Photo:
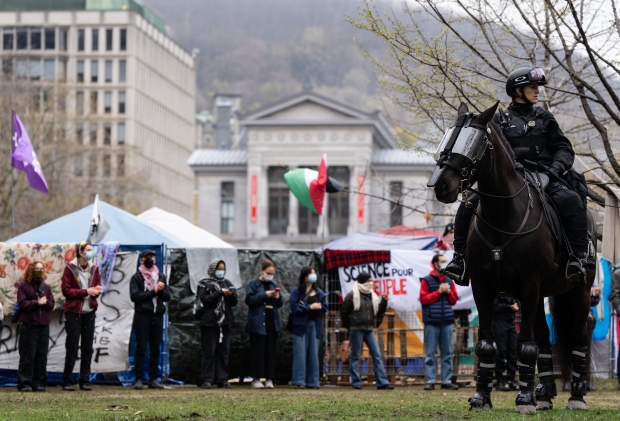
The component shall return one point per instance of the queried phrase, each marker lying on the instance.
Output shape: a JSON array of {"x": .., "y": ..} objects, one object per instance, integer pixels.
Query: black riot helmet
[{"x": 523, "y": 76}]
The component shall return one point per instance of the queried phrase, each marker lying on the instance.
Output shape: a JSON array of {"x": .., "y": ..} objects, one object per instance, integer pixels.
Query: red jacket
[
  {"x": 73, "y": 291},
  {"x": 28, "y": 301}
]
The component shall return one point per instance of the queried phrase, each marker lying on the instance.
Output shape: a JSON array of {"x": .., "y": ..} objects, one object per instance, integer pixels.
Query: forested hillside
[{"x": 266, "y": 49}]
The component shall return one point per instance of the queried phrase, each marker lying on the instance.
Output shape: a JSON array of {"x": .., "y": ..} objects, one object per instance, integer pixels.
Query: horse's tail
[{"x": 563, "y": 310}]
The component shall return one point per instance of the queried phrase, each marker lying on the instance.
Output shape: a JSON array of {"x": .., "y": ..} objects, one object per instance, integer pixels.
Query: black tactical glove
[{"x": 557, "y": 169}]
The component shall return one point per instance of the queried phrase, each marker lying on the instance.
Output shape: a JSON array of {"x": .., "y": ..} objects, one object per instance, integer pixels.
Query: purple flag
[{"x": 24, "y": 158}]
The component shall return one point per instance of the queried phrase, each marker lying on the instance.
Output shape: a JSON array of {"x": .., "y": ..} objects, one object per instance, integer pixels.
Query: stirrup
[
  {"x": 579, "y": 273},
  {"x": 457, "y": 272}
]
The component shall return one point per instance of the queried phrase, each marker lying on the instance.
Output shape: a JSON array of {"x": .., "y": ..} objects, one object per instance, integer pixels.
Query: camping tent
[
  {"x": 172, "y": 224},
  {"x": 376, "y": 241},
  {"x": 124, "y": 228}
]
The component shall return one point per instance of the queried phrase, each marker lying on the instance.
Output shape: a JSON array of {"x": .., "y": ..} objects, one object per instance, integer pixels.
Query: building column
[{"x": 292, "y": 230}]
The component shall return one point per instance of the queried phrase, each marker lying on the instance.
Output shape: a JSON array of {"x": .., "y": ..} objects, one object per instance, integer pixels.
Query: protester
[
  {"x": 149, "y": 292},
  {"x": 81, "y": 285},
  {"x": 263, "y": 299},
  {"x": 614, "y": 298},
  {"x": 218, "y": 296},
  {"x": 361, "y": 313},
  {"x": 308, "y": 304},
  {"x": 35, "y": 300},
  {"x": 505, "y": 334},
  {"x": 438, "y": 295}
]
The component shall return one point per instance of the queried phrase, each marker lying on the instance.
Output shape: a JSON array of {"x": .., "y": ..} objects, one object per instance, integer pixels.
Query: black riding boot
[
  {"x": 578, "y": 387},
  {"x": 486, "y": 351},
  {"x": 546, "y": 390},
  {"x": 456, "y": 268}
]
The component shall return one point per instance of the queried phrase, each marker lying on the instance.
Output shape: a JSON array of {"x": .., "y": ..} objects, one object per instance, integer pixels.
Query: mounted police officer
[{"x": 535, "y": 136}]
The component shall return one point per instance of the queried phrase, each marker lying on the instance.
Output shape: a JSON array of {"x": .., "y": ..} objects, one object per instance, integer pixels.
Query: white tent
[{"x": 180, "y": 227}]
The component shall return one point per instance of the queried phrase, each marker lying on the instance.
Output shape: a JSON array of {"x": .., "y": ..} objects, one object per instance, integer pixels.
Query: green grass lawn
[{"x": 286, "y": 403}]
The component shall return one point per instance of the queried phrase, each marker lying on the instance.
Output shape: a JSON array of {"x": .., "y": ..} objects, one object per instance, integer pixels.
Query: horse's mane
[{"x": 498, "y": 131}]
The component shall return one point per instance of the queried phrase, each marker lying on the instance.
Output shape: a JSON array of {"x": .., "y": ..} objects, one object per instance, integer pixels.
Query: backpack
[
  {"x": 199, "y": 308},
  {"x": 17, "y": 312}
]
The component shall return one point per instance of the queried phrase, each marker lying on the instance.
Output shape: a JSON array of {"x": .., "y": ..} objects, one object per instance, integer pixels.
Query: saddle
[{"x": 541, "y": 184}]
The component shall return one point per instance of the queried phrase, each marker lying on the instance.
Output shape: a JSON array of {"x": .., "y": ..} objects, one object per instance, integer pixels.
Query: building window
[
  {"x": 95, "y": 40},
  {"x": 278, "y": 201},
  {"x": 63, "y": 38},
  {"x": 108, "y": 39},
  {"x": 227, "y": 208},
  {"x": 7, "y": 68},
  {"x": 121, "y": 133},
  {"x": 107, "y": 134},
  {"x": 123, "y": 39},
  {"x": 21, "y": 68},
  {"x": 94, "y": 71},
  {"x": 62, "y": 70},
  {"x": 80, "y": 40},
  {"x": 396, "y": 210},
  {"x": 107, "y": 102},
  {"x": 80, "y": 70},
  {"x": 79, "y": 103},
  {"x": 122, "y": 71},
  {"x": 79, "y": 134},
  {"x": 121, "y": 102},
  {"x": 108, "y": 71},
  {"x": 22, "y": 38},
  {"x": 50, "y": 38},
  {"x": 93, "y": 134},
  {"x": 120, "y": 165},
  {"x": 8, "y": 38},
  {"x": 79, "y": 166},
  {"x": 94, "y": 97},
  {"x": 36, "y": 100},
  {"x": 35, "y": 69},
  {"x": 107, "y": 165},
  {"x": 62, "y": 100},
  {"x": 35, "y": 38},
  {"x": 48, "y": 69},
  {"x": 338, "y": 204},
  {"x": 92, "y": 165}
]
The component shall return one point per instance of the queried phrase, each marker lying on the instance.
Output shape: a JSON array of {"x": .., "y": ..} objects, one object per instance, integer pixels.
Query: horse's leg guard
[
  {"x": 486, "y": 350},
  {"x": 527, "y": 352},
  {"x": 546, "y": 390},
  {"x": 578, "y": 387}
]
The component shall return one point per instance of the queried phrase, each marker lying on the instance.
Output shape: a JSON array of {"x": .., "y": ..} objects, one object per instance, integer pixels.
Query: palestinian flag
[{"x": 309, "y": 186}]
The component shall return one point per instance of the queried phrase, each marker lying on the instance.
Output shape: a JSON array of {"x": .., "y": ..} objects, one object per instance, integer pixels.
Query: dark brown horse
[{"x": 511, "y": 250}]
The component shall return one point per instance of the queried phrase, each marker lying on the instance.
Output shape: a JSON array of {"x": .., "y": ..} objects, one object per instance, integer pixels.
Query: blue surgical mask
[
  {"x": 89, "y": 255},
  {"x": 312, "y": 277},
  {"x": 219, "y": 274}
]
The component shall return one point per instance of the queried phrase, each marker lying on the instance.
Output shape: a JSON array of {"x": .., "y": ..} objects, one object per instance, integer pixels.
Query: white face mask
[
  {"x": 312, "y": 277},
  {"x": 442, "y": 267},
  {"x": 267, "y": 277}
]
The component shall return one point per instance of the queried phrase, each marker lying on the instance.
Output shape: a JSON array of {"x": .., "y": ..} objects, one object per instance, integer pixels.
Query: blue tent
[{"x": 125, "y": 228}]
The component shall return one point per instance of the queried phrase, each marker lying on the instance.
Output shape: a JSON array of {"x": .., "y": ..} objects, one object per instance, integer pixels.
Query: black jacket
[
  {"x": 614, "y": 297},
  {"x": 535, "y": 135},
  {"x": 144, "y": 299},
  {"x": 364, "y": 318},
  {"x": 502, "y": 310},
  {"x": 209, "y": 295}
]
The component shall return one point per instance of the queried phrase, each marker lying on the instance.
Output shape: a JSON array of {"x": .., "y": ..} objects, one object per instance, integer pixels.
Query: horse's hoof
[
  {"x": 480, "y": 402},
  {"x": 576, "y": 403},
  {"x": 525, "y": 409},
  {"x": 544, "y": 405}
]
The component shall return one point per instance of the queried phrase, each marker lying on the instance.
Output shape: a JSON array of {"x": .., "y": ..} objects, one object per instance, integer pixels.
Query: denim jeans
[
  {"x": 306, "y": 357},
  {"x": 368, "y": 336},
  {"x": 435, "y": 336}
]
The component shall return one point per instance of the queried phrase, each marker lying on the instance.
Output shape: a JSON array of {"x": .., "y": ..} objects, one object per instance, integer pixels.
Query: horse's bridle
[{"x": 465, "y": 138}]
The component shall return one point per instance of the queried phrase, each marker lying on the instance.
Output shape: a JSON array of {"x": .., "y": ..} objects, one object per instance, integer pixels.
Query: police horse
[{"x": 513, "y": 250}]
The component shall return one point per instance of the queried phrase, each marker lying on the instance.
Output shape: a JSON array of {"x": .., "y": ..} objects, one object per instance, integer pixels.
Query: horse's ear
[
  {"x": 463, "y": 109},
  {"x": 487, "y": 115}
]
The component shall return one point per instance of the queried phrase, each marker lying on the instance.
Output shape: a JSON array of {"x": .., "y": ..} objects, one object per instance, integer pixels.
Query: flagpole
[{"x": 12, "y": 177}]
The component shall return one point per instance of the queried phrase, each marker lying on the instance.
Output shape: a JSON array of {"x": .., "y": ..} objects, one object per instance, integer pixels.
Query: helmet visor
[{"x": 537, "y": 75}]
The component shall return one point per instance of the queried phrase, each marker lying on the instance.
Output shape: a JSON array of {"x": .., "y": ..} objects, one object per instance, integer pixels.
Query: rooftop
[
  {"x": 47, "y": 5},
  {"x": 400, "y": 157},
  {"x": 218, "y": 157}
]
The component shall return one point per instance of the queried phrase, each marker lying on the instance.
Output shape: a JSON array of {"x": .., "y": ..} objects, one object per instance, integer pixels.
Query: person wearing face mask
[
  {"x": 308, "y": 304},
  {"x": 438, "y": 295},
  {"x": 81, "y": 285},
  {"x": 35, "y": 301},
  {"x": 263, "y": 325},
  {"x": 361, "y": 313},
  {"x": 218, "y": 296},
  {"x": 149, "y": 291}
]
